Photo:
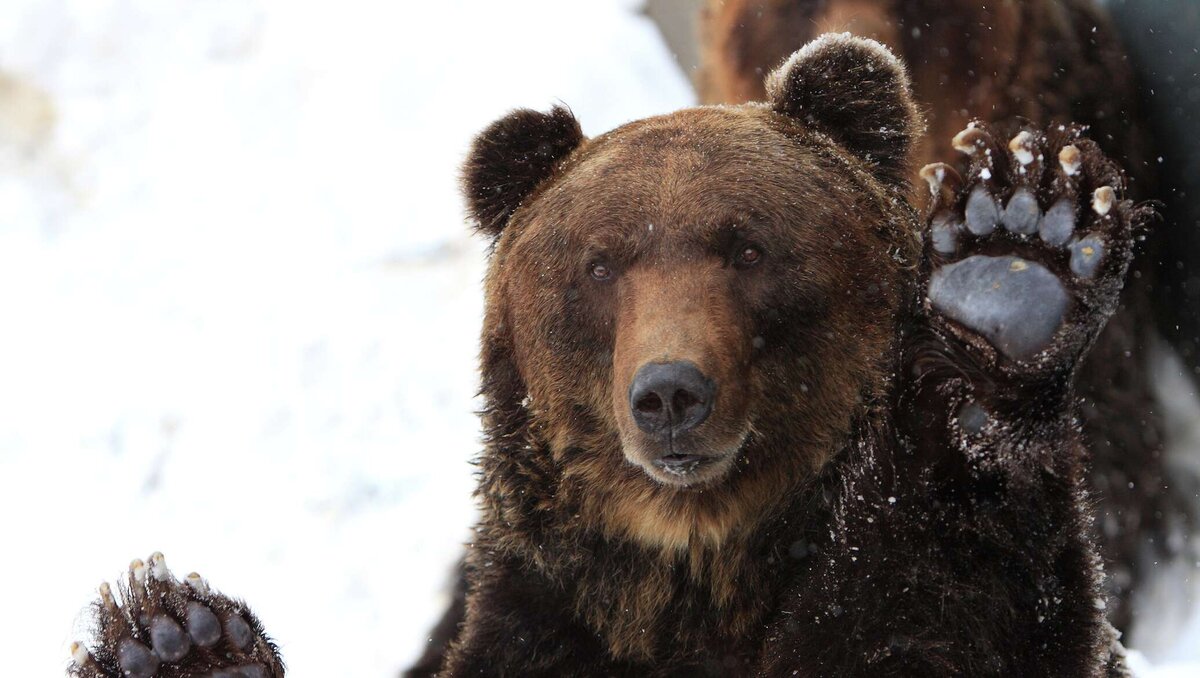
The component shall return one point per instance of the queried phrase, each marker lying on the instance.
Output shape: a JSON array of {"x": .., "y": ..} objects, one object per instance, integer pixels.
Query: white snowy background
[{"x": 239, "y": 305}]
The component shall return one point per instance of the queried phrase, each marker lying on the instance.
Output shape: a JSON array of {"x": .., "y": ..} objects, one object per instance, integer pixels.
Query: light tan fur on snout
[{"x": 682, "y": 313}]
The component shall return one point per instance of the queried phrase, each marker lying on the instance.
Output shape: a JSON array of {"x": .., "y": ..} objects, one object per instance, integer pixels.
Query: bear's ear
[
  {"x": 510, "y": 158},
  {"x": 856, "y": 92}
]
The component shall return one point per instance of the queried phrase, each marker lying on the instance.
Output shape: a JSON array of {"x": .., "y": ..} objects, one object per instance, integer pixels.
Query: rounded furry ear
[
  {"x": 855, "y": 91},
  {"x": 510, "y": 158}
]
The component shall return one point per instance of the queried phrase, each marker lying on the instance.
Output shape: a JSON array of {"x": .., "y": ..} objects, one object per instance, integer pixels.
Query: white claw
[
  {"x": 79, "y": 654},
  {"x": 968, "y": 141},
  {"x": 139, "y": 570},
  {"x": 1102, "y": 200},
  {"x": 1068, "y": 158},
  {"x": 1022, "y": 147},
  {"x": 158, "y": 567},
  {"x": 197, "y": 583},
  {"x": 106, "y": 596},
  {"x": 934, "y": 174}
]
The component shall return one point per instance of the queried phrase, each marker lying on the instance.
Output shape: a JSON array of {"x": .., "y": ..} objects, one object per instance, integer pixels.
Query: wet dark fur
[
  {"x": 855, "y": 537},
  {"x": 1043, "y": 61}
]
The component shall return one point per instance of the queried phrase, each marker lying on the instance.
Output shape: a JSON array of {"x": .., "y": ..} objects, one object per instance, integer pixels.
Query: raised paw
[
  {"x": 164, "y": 628},
  {"x": 1028, "y": 254}
]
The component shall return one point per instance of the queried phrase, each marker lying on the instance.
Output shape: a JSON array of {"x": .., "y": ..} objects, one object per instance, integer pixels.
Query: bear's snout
[
  {"x": 670, "y": 399},
  {"x": 679, "y": 392}
]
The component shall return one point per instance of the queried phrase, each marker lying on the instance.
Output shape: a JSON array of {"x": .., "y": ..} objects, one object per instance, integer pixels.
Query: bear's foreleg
[{"x": 961, "y": 542}]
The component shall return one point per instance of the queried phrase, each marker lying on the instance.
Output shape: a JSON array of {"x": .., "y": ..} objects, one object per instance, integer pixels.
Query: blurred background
[{"x": 239, "y": 305}]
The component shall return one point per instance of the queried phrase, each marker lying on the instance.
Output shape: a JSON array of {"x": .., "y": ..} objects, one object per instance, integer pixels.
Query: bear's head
[{"x": 685, "y": 315}]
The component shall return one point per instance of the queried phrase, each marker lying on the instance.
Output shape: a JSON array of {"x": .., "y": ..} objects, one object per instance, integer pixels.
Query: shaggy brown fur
[
  {"x": 877, "y": 488},
  {"x": 1010, "y": 63},
  {"x": 858, "y": 530}
]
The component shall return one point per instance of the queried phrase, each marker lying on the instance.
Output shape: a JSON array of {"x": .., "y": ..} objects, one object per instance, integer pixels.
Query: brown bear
[
  {"x": 748, "y": 414},
  {"x": 1039, "y": 62}
]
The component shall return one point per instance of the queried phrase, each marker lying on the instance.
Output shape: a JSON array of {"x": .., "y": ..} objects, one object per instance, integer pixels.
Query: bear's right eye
[
  {"x": 747, "y": 255},
  {"x": 601, "y": 271}
]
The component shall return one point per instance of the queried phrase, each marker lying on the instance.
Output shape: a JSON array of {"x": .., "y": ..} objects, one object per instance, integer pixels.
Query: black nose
[{"x": 670, "y": 398}]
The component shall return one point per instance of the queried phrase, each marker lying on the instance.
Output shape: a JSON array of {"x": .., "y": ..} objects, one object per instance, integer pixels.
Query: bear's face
[
  {"x": 701, "y": 301},
  {"x": 707, "y": 253}
]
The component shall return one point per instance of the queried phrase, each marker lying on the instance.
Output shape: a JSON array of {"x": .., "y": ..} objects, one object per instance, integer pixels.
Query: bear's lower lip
[{"x": 680, "y": 464}]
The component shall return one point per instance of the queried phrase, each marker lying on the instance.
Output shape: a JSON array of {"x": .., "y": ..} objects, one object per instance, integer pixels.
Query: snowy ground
[{"x": 239, "y": 303}]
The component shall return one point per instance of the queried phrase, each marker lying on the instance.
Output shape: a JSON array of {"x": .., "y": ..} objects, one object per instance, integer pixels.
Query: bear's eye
[
  {"x": 748, "y": 255},
  {"x": 601, "y": 271}
]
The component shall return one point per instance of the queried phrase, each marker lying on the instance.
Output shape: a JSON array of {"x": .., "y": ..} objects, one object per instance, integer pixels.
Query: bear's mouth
[
  {"x": 681, "y": 464},
  {"x": 688, "y": 468},
  {"x": 689, "y": 471}
]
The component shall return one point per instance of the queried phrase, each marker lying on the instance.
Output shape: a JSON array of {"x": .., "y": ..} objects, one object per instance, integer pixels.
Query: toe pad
[
  {"x": 1086, "y": 256},
  {"x": 1022, "y": 214},
  {"x": 982, "y": 213},
  {"x": 1059, "y": 223},
  {"x": 136, "y": 660}
]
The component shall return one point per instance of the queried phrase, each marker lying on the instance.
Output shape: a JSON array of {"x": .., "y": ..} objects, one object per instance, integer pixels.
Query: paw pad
[
  {"x": 1015, "y": 304},
  {"x": 1013, "y": 272}
]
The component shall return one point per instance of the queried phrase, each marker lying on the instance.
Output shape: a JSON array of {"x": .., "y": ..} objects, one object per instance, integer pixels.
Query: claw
[
  {"x": 943, "y": 179},
  {"x": 1069, "y": 159},
  {"x": 158, "y": 567},
  {"x": 106, "y": 597},
  {"x": 1102, "y": 200},
  {"x": 1022, "y": 147},
  {"x": 79, "y": 654},
  {"x": 197, "y": 583},
  {"x": 138, "y": 568},
  {"x": 970, "y": 141},
  {"x": 944, "y": 183}
]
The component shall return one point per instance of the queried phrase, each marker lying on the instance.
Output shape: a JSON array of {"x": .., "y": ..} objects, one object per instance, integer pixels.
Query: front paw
[
  {"x": 164, "y": 628},
  {"x": 1028, "y": 256}
]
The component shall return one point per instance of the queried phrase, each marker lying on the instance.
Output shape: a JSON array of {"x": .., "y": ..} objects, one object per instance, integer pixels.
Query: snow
[{"x": 240, "y": 305}]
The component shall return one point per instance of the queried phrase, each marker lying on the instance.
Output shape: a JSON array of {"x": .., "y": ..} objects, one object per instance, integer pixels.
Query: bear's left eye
[
  {"x": 601, "y": 271},
  {"x": 747, "y": 255}
]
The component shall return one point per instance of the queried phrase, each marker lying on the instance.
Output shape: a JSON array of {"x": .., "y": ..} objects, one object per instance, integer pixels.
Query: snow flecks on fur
[{"x": 858, "y": 93}]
